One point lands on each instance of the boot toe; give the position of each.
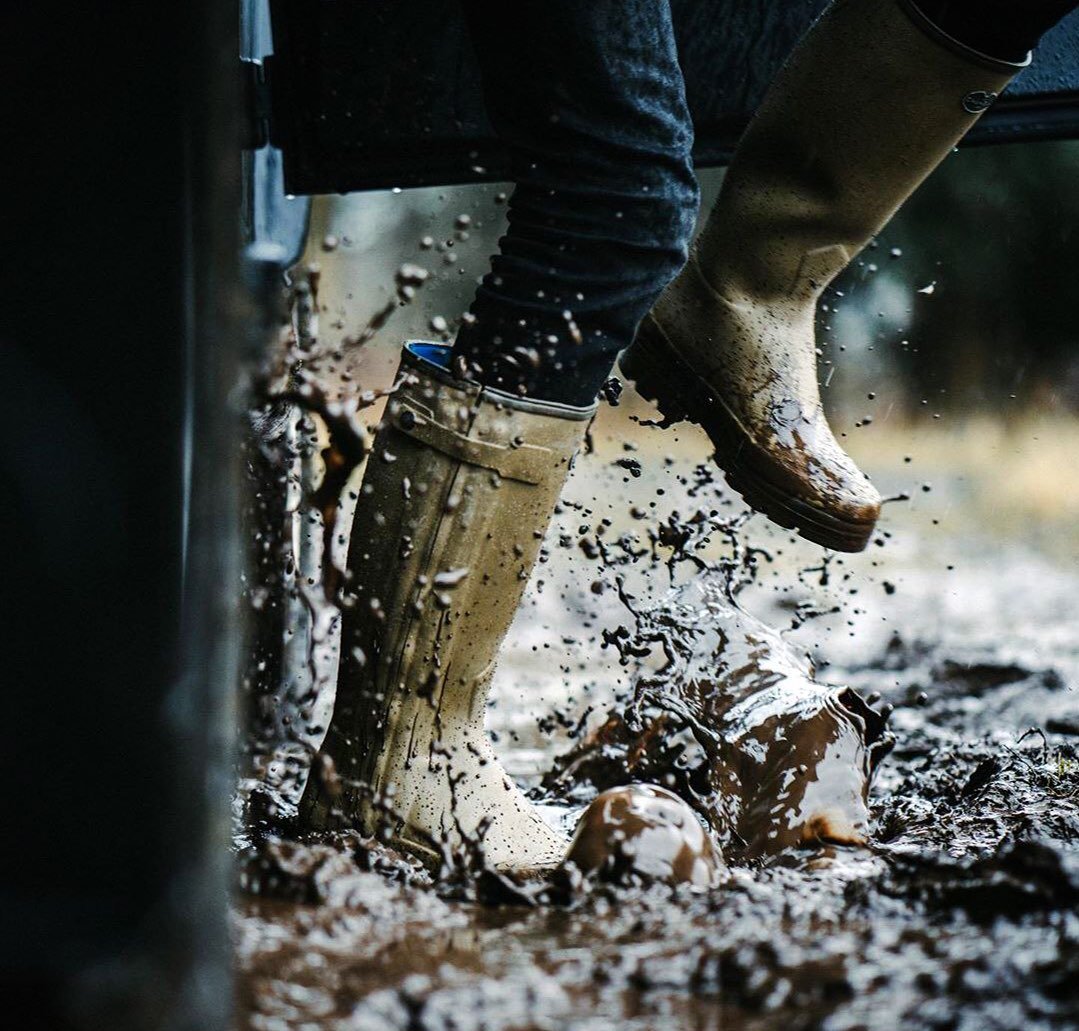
(803, 480)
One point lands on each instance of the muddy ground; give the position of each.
(963, 912)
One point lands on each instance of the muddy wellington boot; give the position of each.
(867, 106)
(459, 490)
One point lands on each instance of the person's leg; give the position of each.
(464, 475)
(1007, 29)
(589, 99)
(866, 107)
(459, 488)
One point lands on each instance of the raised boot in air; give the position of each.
(867, 106)
(458, 492)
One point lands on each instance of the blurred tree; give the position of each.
(995, 234)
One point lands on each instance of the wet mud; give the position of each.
(885, 835)
(961, 910)
(640, 834)
(963, 915)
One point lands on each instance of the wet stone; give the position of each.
(644, 834)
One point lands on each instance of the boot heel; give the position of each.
(655, 372)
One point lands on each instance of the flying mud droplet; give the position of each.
(451, 577)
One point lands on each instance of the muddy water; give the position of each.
(959, 912)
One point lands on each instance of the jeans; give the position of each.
(588, 97)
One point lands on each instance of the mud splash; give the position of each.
(641, 834)
(735, 724)
(958, 911)
(961, 915)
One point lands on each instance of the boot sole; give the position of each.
(662, 376)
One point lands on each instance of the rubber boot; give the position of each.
(867, 106)
(459, 490)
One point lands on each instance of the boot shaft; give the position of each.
(459, 490)
(870, 102)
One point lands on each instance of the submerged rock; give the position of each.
(644, 834)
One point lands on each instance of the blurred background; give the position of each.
(966, 296)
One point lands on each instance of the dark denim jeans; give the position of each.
(588, 96)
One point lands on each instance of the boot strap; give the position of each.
(525, 463)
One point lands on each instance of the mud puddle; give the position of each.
(961, 911)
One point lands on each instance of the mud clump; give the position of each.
(642, 834)
(312, 872)
(1026, 875)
